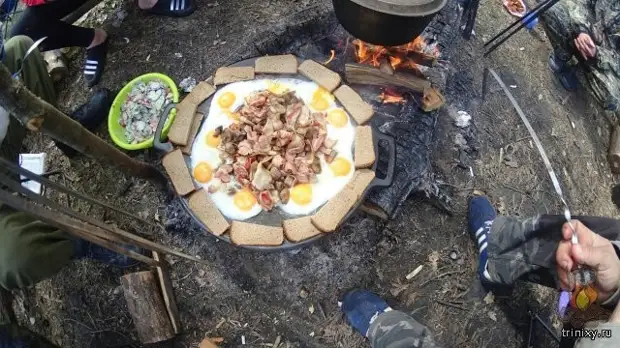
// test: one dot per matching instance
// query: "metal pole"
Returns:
(529, 17)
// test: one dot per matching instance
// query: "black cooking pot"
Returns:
(386, 22)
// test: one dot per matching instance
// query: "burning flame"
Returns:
(390, 96)
(398, 57)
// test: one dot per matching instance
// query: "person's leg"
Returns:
(30, 251)
(603, 76)
(35, 78)
(46, 21)
(371, 316)
(34, 74)
(557, 27)
(525, 248)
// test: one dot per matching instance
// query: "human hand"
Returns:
(585, 46)
(593, 251)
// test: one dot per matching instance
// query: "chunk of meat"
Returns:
(285, 194)
(245, 148)
(317, 142)
(276, 174)
(261, 179)
(222, 175)
(265, 200)
(277, 161)
(292, 113)
(289, 181)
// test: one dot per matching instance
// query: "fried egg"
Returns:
(239, 206)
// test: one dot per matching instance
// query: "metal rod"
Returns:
(122, 236)
(30, 175)
(53, 219)
(523, 24)
(538, 7)
(15, 186)
(547, 328)
(472, 13)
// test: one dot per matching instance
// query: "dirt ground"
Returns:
(292, 297)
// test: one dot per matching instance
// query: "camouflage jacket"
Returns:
(598, 18)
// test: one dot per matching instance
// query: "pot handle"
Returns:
(164, 147)
(391, 162)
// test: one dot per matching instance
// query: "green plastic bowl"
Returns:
(117, 133)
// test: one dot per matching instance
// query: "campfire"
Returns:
(405, 57)
(396, 68)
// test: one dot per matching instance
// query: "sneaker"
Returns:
(480, 219)
(361, 308)
(90, 115)
(85, 249)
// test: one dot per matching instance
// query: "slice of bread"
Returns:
(182, 124)
(233, 74)
(243, 233)
(320, 74)
(299, 229)
(331, 214)
(364, 148)
(178, 172)
(361, 179)
(202, 91)
(355, 105)
(187, 149)
(284, 64)
(206, 211)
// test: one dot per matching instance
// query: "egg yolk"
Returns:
(232, 115)
(226, 99)
(337, 118)
(340, 166)
(212, 140)
(276, 87)
(244, 200)
(301, 194)
(321, 99)
(203, 172)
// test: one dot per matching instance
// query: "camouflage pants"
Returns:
(525, 248)
(602, 73)
(395, 329)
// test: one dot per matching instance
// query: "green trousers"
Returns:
(30, 251)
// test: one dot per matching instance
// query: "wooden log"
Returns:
(365, 74)
(56, 66)
(146, 307)
(614, 151)
(402, 52)
(167, 292)
(37, 115)
(80, 11)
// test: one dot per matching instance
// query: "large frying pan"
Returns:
(275, 217)
(386, 22)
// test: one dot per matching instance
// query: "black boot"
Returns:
(90, 115)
